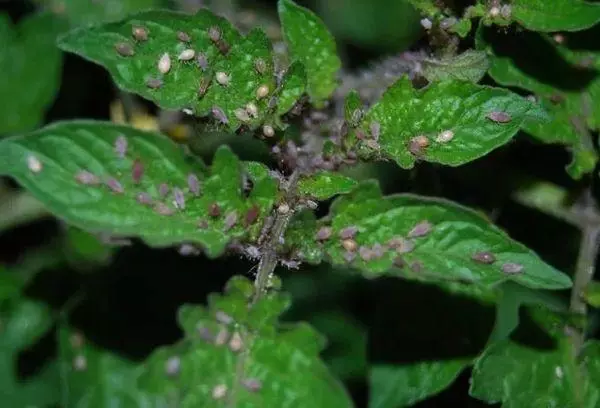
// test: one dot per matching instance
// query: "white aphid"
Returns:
(34, 164)
(164, 63)
(186, 55)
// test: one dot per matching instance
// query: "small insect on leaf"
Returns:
(445, 136)
(348, 232)
(87, 178)
(219, 391)
(34, 164)
(163, 189)
(418, 144)
(186, 55)
(115, 186)
(375, 128)
(154, 83)
(139, 33)
(262, 91)
(202, 61)
(378, 250)
(230, 220)
(241, 115)
(268, 131)
(222, 78)
(420, 230)
(484, 257)
(260, 65)
(251, 216)
(214, 210)
(236, 343)
(349, 256)
(173, 366)
(499, 117)
(252, 384)
(121, 146)
(214, 33)
(324, 233)
(163, 209)
(219, 115)
(193, 184)
(164, 63)
(179, 198)
(349, 245)
(124, 49)
(511, 268)
(143, 198)
(365, 253)
(137, 171)
(401, 245)
(183, 36)
(252, 109)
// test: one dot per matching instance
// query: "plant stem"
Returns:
(586, 261)
(20, 208)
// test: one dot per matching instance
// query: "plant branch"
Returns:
(586, 261)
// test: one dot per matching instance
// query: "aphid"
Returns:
(203, 224)
(87, 178)
(268, 131)
(214, 33)
(222, 78)
(416, 266)
(378, 250)
(188, 250)
(203, 87)
(260, 65)
(137, 171)
(283, 208)
(251, 215)
(223, 317)
(179, 198)
(241, 115)
(494, 11)
(163, 209)
(154, 83)
(399, 262)
(219, 115)
(365, 253)
(230, 220)
(349, 245)
(445, 136)
(34, 164)
(401, 245)
(139, 33)
(253, 252)
(484, 257)
(219, 391)
(557, 98)
(324, 233)
(348, 232)
(558, 38)
(80, 363)
(202, 61)
(164, 63)
(290, 263)
(186, 55)
(183, 36)
(448, 22)
(222, 336)
(372, 144)
(163, 189)
(375, 130)
(311, 205)
(143, 198)
(506, 11)
(114, 186)
(349, 256)
(205, 334)
(418, 144)
(124, 49)
(252, 384)
(121, 146)
(499, 117)
(252, 109)
(223, 47)
(193, 184)
(262, 91)
(511, 268)
(172, 366)
(426, 24)
(420, 230)
(214, 210)
(236, 343)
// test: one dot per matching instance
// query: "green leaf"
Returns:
(31, 67)
(521, 375)
(10, 284)
(85, 13)
(405, 115)
(310, 42)
(235, 351)
(92, 377)
(556, 15)
(293, 86)
(85, 251)
(325, 184)
(444, 253)
(23, 324)
(469, 66)
(64, 150)
(393, 386)
(591, 294)
(570, 109)
(231, 81)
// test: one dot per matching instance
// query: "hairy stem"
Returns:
(586, 261)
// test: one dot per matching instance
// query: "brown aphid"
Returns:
(154, 83)
(219, 115)
(163, 209)
(324, 233)
(203, 224)
(499, 117)
(484, 257)
(230, 220)
(115, 186)
(251, 216)
(418, 144)
(399, 262)
(163, 189)
(143, 198)
(252, 384)
(137, 171)
(236, 343)
(222, 336)
(223, 47)
(401, 245)
(214, 33)
(183, 36)
(420, 230)
(172, 366)
(416, 266)
(365, 253)
(124, 49)
(202, 61)
(219, 391)
(349, 245)
(512, 268)
(214, 210)
(262, 91)
(87, 178)
(348, 232)
(139, 33)
(349, 256)
(260, 65)
(203, 87)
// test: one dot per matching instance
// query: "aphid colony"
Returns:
(164, 65)
(169, 199)
(401, 246)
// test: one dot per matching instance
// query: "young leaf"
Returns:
(420, 238)
(82, 173)
(571, 110)
(23, 323)
(394, 386)
(310, 42)
(556, 15)
(198, 62)
(31, 67)
(325, 184)
(293, 86)
(92, 377)
(449, 122)
(235, 351)
(519, 375)
(469, 66)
